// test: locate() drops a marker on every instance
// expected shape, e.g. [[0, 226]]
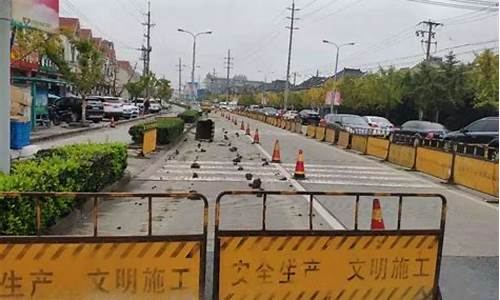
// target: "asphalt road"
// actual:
[[470, 263]]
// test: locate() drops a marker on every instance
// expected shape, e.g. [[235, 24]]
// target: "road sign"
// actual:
[[321, 264], [39, 14], [94, 267]]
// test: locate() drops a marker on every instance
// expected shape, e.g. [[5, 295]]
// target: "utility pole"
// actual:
[[180, 66], [428, 35], [292, 29], [228, 64], [147, 50], [5, 43]]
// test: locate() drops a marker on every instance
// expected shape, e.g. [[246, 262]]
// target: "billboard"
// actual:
[[38, 14]]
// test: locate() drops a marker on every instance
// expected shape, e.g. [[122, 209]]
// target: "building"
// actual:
[[125, 74], [237, 85], [319, 81]]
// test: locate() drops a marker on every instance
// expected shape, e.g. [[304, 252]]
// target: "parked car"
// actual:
[[113, 106], [308, 116], [291, 115], [379, 122], [482, 131], [155, 106], [130, 110], [69, 109], [350, 123], [420, 130], [270, 111], [139, 102]]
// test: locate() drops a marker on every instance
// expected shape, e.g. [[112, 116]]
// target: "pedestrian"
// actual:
[[146, 106]]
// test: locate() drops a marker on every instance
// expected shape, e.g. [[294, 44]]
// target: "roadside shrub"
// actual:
[[75, 168], [190, 116], [168, 130]]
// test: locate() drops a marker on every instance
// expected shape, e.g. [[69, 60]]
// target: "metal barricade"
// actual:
[[105, 267], [327, 264]]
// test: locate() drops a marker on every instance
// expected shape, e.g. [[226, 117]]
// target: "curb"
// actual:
[[88, 129]]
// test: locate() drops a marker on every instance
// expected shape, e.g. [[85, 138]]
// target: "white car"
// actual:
[[291, 115], [154, 106], [113, 106], [130, 110]]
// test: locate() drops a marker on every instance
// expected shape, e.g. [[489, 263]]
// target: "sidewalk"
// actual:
[[54, 132]]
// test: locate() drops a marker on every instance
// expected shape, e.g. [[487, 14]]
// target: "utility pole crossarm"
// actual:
[[428, 35]]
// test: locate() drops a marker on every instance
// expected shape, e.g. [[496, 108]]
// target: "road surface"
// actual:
[[470, 264]]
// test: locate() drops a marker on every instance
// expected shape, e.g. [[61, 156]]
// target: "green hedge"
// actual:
[[74, 168], [190, 116], [168, 130]]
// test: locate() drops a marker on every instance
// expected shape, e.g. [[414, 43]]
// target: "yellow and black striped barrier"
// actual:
[[95, 267], [327, 264]]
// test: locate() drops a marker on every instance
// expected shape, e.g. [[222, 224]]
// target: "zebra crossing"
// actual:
[[342, 175]]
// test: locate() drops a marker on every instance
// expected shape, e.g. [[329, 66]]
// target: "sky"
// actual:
[[383, 32]]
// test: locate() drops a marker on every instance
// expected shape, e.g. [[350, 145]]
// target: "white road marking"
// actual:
[[205, 179], [212, 172], [320, 209], [364, 183], [329, 167]]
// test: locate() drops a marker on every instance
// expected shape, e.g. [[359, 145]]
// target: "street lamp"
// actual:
[[336, 65], [194, 35]]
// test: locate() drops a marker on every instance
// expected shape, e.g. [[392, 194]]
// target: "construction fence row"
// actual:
[[309, 263], [472, 166]]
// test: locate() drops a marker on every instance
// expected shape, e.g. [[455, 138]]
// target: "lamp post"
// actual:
[[336, 65], [195, 36]]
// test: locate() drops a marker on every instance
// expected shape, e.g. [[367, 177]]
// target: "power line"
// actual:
[[454, 5]]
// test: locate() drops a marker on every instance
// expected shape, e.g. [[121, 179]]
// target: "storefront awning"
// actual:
[[40, 79]]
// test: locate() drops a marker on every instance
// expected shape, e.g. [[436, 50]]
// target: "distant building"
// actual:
[[125, 74], [237, 85], [318, 81]]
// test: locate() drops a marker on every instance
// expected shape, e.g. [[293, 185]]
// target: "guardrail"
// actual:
[[470, 165]]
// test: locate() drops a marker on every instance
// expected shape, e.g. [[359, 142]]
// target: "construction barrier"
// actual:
[[320, 133], [311, 131], [477, 174], [377, 147], [149, 142], [402, 155], [297, 127], [344, 139], [434, 162], [330, 136], [283, 124], [327, 264], [359, 143], [94, 267]]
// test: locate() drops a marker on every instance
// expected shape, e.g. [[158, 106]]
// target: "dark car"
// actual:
[[483, 131], [270, 111], [350, 123], [420, 130], [308, 116], [69, 109]]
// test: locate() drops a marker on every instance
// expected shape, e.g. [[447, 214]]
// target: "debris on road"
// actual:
[[195, 175], [233, 149], [195, 166], [256, 184], [249, 176]]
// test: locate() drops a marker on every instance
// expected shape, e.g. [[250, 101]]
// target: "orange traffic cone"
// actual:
[[377, 218], [242, 125], [276, 153], [256, 138], [300, 172], [112, 125], [248, 129]]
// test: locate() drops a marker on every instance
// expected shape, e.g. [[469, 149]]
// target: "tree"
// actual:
[[484, 80], [429, 93], [163, 90], [248, 99], [89, 70]]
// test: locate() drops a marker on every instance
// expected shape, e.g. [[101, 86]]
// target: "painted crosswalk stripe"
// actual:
[[205, 179]]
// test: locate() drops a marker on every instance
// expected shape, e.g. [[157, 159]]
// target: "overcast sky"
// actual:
[[383, 30]]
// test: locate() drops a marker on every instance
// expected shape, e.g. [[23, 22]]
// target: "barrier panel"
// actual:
[[344, 139], [95, 267], [477, 174], [298, 127], [283, 124], [402, 155], [359, 143], [149, 142], [434, 162], [327, 264], [330, 135], [311, 131], [288, 125], [320, 133], [377, 147]]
